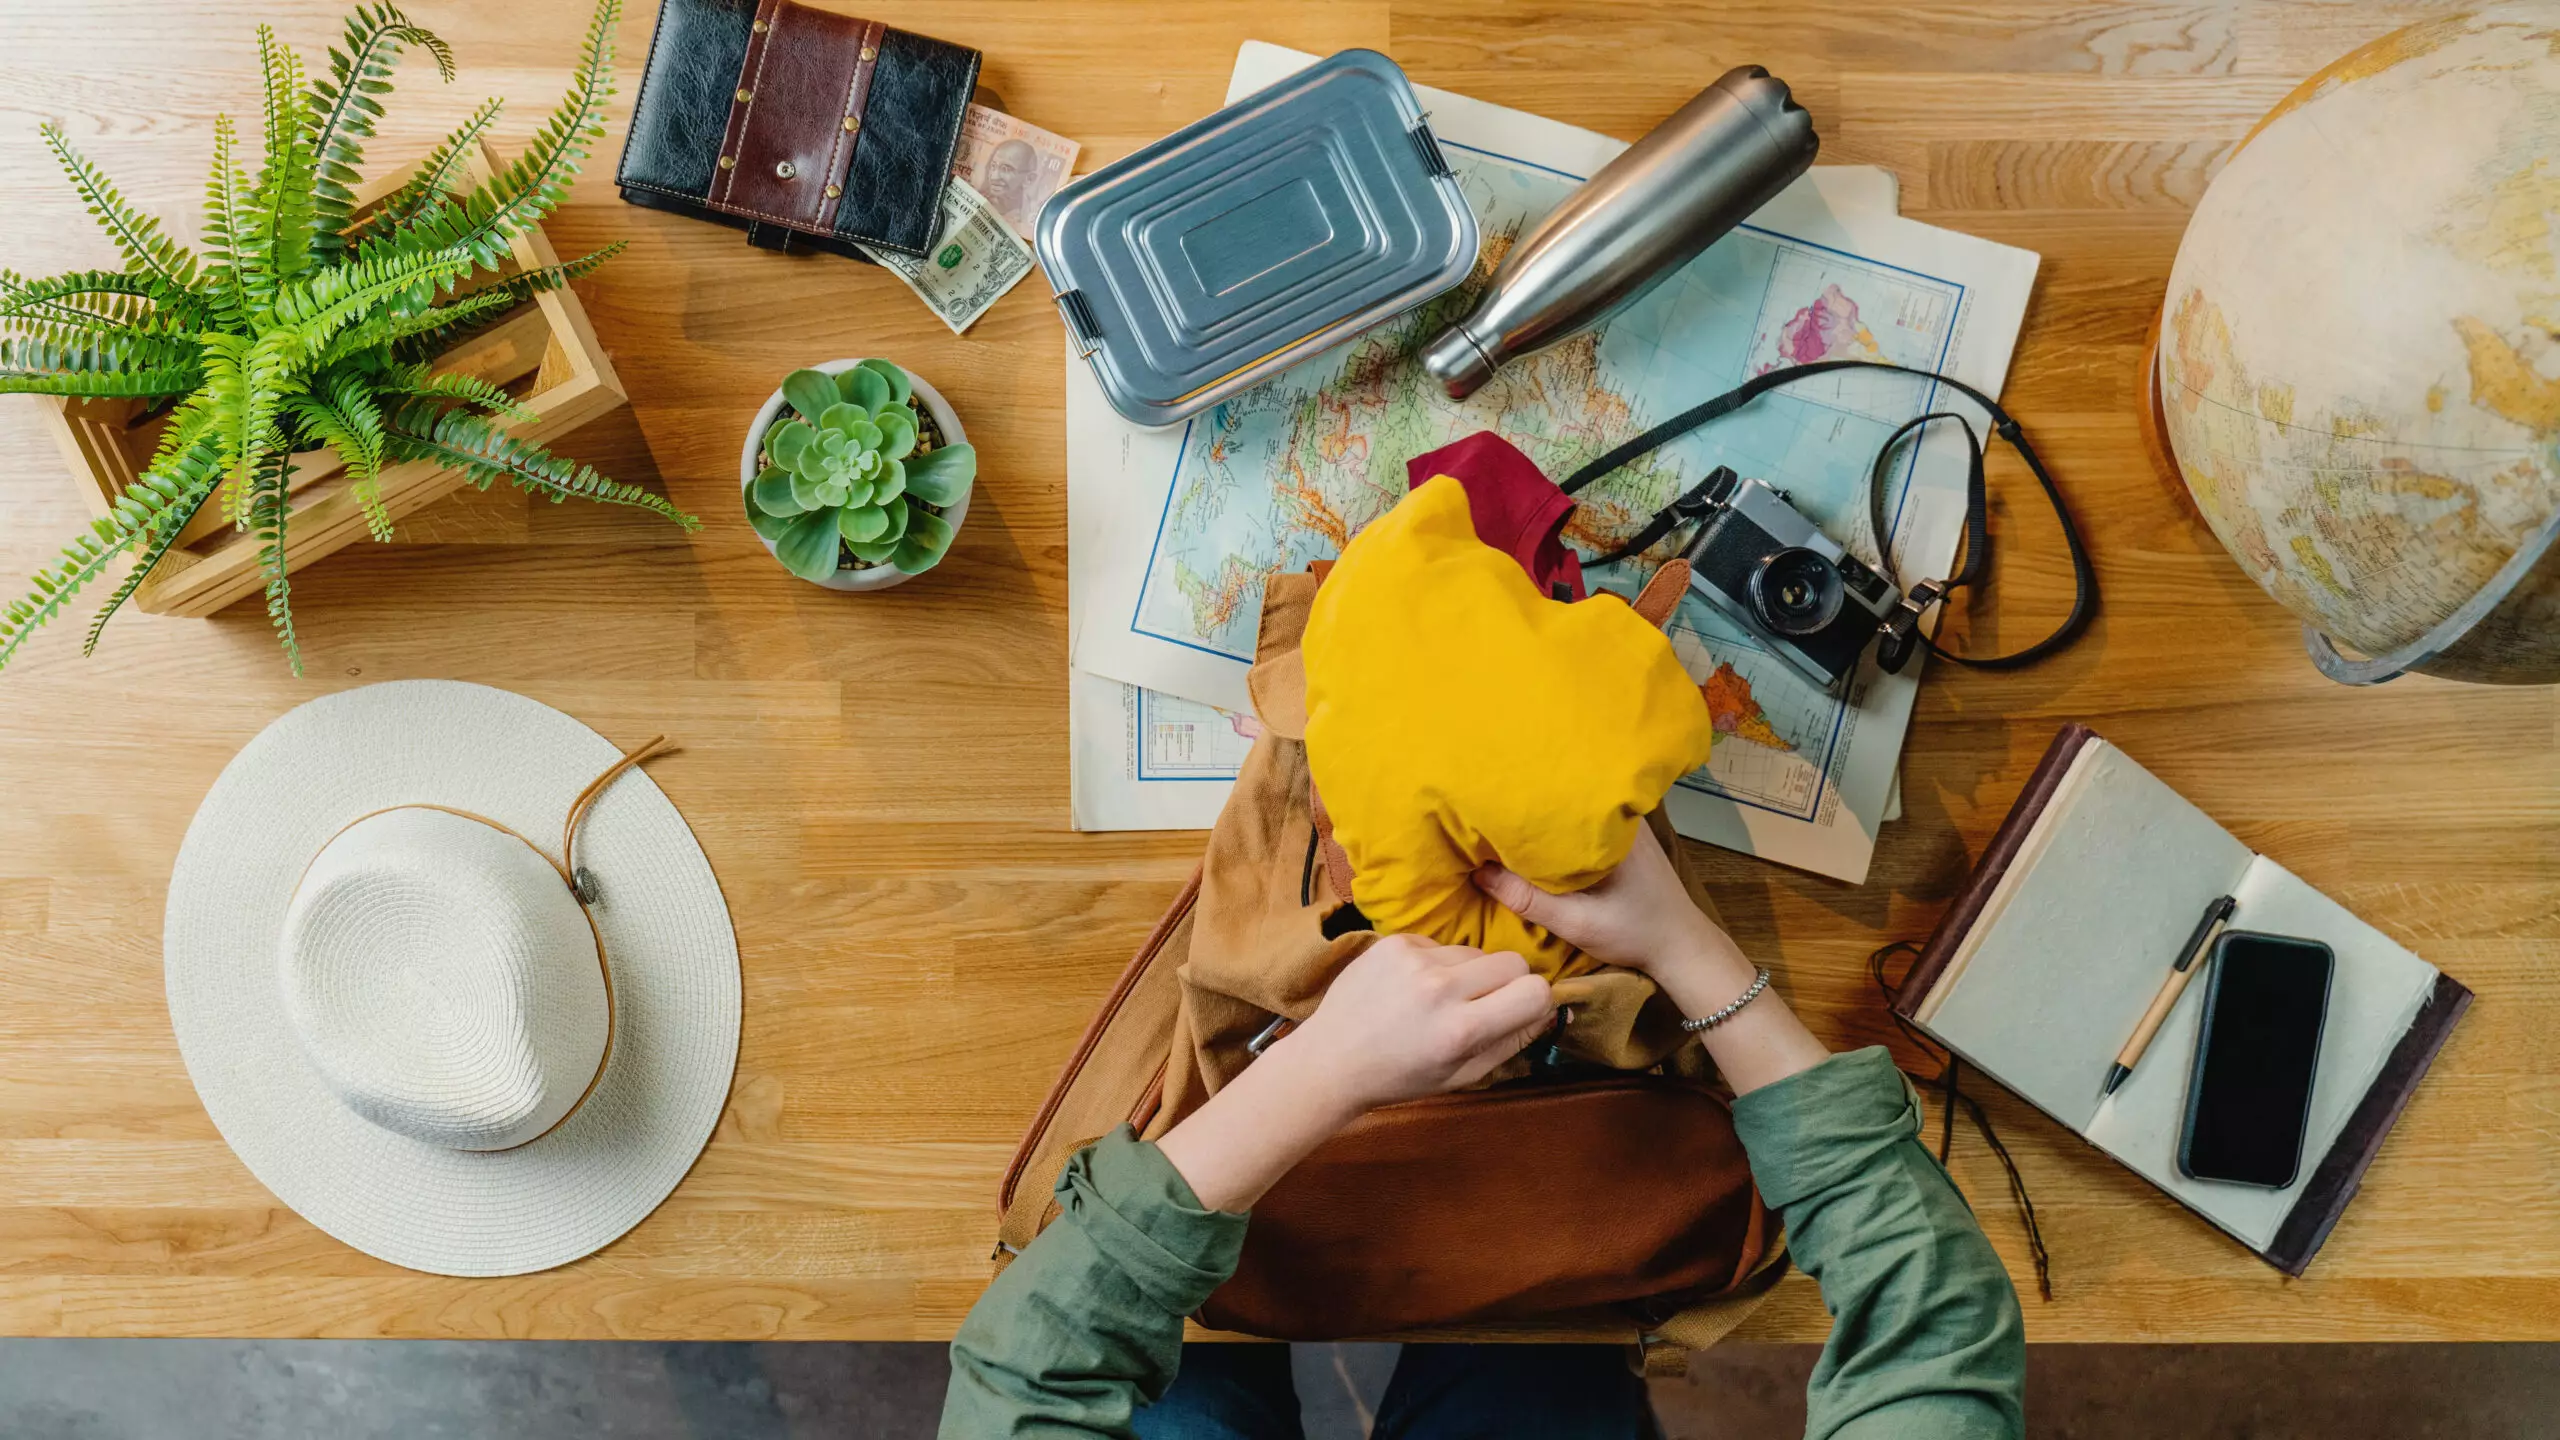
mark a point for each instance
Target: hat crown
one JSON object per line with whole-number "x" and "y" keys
{"x": 443, "y": 981}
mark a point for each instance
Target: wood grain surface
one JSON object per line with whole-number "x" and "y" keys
{"x": 881, "y": 781}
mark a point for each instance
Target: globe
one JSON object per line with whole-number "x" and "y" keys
{"x": 2358, "y": 369}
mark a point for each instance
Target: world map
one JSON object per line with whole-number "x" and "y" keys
{"x": 1287, "y": 472}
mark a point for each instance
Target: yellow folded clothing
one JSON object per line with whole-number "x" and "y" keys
{"x": 1456, "y": 716}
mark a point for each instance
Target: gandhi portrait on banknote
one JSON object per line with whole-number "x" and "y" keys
{"x": 1011, "y": 182}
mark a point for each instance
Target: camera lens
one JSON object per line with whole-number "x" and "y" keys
{"x": 1796, "y": 592}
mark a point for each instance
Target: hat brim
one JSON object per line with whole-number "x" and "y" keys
{"x": 659, "y": 912}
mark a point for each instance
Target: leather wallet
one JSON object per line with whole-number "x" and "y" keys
{"x": 804, "y": 127}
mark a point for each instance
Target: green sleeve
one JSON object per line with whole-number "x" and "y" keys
{"x": 1926, "y": 1339}
{"x": 1086, "y": 1324}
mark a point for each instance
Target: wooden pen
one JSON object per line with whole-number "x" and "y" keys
{"x": 2170, "y": 989}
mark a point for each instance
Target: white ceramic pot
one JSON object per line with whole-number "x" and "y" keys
{"x": 877, "y": 577}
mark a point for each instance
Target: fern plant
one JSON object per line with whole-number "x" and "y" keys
{"x": 303, "y": 325}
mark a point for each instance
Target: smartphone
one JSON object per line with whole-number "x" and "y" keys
{"x": 2249, "y": 1096}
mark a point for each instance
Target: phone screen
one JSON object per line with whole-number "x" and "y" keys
{"x": 2249, "y": 1099}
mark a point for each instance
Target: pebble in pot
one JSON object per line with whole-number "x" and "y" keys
{"x": 856, "y": 475}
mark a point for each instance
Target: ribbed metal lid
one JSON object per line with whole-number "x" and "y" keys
{"x": 1279, "y": 226}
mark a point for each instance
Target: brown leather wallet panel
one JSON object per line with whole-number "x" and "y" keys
{"x": 797, "y": 115}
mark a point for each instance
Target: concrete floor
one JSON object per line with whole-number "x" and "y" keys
{"x": 350, "y": 1390}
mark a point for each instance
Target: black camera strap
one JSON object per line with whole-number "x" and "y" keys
{"x": 1975, "y": 564}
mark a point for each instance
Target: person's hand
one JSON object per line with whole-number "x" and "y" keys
{"x": 1404, "y": 1019}
{"x": 1638, "y": 916}
{"x": 1409, "y": 1018}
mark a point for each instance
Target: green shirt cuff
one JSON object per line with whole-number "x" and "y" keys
{"x": 1824, "y": 1126}
{"x": 1140, "y": 1214}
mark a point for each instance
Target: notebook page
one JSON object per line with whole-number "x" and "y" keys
{"x": 2021, "y": 865}
{"x": 2375, "y": 990}
{"x": 2065, "y": 972}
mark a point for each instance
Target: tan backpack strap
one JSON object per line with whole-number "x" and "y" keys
{"x": 1278, "y": 679}
{"x": 1661, "y": 594}
{"x": 1337, "y": 862}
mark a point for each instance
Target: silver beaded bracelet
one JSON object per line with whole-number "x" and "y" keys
{"x": 1759, "y": 983}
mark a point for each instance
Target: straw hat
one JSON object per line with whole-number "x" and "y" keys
{"x": 420, "y": 1023}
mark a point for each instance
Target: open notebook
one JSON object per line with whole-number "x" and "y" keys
{"x": 2055, "y": 948}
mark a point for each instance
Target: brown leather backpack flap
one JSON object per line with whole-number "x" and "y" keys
{"x": 1490, "y": 1204}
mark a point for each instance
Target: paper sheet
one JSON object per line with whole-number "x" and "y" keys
{"x": 1173, "y": 530}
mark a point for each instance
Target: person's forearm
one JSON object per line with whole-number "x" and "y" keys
{"x": 1086, "y": 1324}
{"x": 1249, "y": 1134}
{"x": 1764, "y": 1042}
{"x": 1926, "y": 1339}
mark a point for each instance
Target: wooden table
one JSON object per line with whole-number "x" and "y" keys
{"x": 881, "y": 781}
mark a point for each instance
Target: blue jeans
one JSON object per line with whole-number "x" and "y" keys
{"x": 1440, "y": 1392}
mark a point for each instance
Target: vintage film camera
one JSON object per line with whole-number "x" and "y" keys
{"x": 1766, "y": 566}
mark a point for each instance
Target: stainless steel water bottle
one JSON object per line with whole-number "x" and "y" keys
{"x": 1671, "y": 195}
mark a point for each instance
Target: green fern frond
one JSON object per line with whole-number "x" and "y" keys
{"x": 74, "y": 283}
{"x": 468, "y": 390}
{"x": 435, "y": 178}
{"x": 282, "y": 204}
{"x": 526, "y": 284}
{"x": 270, "y": 509}
{"x": 179, "y": 479}
{"x": 325, "y": 297}
{"x": 348, "y": 111}
{"x": 40, "y": 366}
{"x": 361, "y": 414}
{"x": 359, "y": 447}
{"x": 139, "y": 514}
{"x": 222, "y": 191}
{"x": 420, "y": 337}
{"x": 136, "y": 234}
{"x": 534, "y": 185}
{"x": 420, "y": 430}
{"x": 39, "y": 345}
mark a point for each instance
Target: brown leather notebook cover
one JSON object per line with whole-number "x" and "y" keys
{"x": 2340, "y": 1171}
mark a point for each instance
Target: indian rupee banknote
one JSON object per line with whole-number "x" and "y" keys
{"x": 1015, "y": 164}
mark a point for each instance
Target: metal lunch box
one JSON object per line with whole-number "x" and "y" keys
{"x": 1241, "y": 244}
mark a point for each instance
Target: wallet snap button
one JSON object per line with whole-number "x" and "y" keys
{"x": 785, "y": 170}
{"x": 746, "y": 96}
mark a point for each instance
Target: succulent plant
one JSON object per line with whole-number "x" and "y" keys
{"x": 849, "y": 467}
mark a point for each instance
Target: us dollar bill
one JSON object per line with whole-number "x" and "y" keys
{"x": 974, "y": 260}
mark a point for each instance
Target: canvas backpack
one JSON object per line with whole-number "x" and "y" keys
{"x": 1596, "y": 1186}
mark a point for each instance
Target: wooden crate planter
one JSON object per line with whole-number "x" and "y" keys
{"x": 544, "y": 351}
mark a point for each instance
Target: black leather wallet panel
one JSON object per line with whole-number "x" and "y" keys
{"x": 683, "y": 106}
{"x": 910, "y": 127}
{"x": 900, "y": 155}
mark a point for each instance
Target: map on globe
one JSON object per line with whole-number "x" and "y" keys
{"x": 1200, "y": 515}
